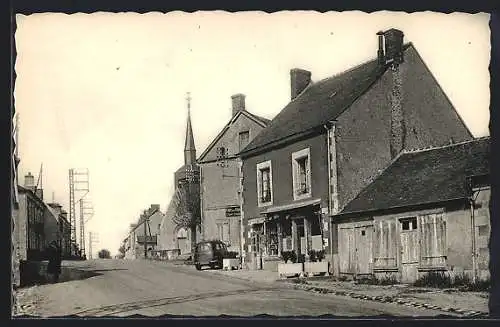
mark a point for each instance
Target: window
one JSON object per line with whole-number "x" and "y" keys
{"x": 408, "y": 224}
{"x": 264, "y": 183}
{"x": 223, "y": 232}
{"x": 483, "y": 230}
{"x": 433, "y": 240}
{"x": 244, "y": 137}
{"x": 385, "y": 244}
{"x": 301, "y": 168}
{"x": 272, "y": 230}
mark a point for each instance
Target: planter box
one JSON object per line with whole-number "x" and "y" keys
{"x": 290, "y": 269}
{"x": 313, "y": 268}
{"x": 230, "y": 264}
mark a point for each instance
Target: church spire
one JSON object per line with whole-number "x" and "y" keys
{"x": 189, "y": 148}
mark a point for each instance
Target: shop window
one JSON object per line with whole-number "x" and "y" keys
{"x": 272, "y": 231}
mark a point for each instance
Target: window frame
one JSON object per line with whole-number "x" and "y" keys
{"x": 260, "y": 167}
{"x": 296, "y": 157}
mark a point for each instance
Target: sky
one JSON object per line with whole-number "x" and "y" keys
{"x": 106, "y": 91}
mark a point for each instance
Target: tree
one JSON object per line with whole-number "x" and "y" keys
{"x": 104, "y": 254}
{"x": 187, "y": 206}
{"x": 121, "y": 252}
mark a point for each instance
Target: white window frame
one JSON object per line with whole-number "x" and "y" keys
{"x": 295, "y": 173}
{"x": 261, "y": 166}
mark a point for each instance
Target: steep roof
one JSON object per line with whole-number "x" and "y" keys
{"x": 259, "y": 120}
{"x": 320, "y": 103}
{"x": 425, "y": 176}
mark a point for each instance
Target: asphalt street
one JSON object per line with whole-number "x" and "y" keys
{"x": 126, "y": 287}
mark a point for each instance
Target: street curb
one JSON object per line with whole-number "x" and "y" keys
{"x": 392, "y": 299}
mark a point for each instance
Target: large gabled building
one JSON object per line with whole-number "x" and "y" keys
{"x": 326, "y": 145}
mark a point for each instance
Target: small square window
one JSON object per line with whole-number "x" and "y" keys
{"x": 405, "y": 225}
{"x": 483, "y": 230}
{"x": 363, "y": 233}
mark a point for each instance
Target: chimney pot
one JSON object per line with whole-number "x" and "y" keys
{"x": 299, "y": 80}
{"x": 238, "y": 101}
{"x": 29, "y": 181}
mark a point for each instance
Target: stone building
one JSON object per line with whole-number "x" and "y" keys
{"x": 327, "y": 144}
{"x": 427, "y": 211}
{"x": 145, "y": 231}
{"x": 220, "y": 175}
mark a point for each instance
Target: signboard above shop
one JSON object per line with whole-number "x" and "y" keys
{"x": 233, "y": 211}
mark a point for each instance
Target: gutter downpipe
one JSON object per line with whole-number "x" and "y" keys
{"x": 328, "y": 133}
{"x": 473, "y": 231}
{"x": 240, "y": 195}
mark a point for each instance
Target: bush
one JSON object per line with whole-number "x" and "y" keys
{"x": 320, "y": 255}
{"x": 462, "y": 281}
{"x": 289, "y": 256}
{"x": 313, "y": 257}
{"x": 301, "y": 258}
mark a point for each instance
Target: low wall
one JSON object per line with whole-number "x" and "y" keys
{"x": 35, "y": 272}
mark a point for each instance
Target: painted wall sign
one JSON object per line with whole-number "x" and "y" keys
{"x": 233, "y": 211}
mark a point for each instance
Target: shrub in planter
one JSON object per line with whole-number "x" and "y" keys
{"x": 313, "y": 256}
{"x": 320, "y": 255}
{"x": 301, "y": 258}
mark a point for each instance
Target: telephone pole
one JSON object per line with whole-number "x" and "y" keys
{"x": 78, "y": 183}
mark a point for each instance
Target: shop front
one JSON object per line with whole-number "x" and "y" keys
{"x": 279, "y": 230}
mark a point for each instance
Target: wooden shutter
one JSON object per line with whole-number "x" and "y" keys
{"x": 385, "y": 244}
{"x": 433, "y": 240}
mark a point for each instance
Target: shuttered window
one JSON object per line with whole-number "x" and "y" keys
{"x": 385, "y": 244}
{"x": 433, "y": 240}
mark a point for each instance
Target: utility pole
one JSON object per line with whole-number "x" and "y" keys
{"x": 145, "y": 245}
{"x": 78, "y": 182}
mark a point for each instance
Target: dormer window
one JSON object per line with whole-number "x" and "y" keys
{"x": 301, "y": 167}
{"x": 264, "y": 183}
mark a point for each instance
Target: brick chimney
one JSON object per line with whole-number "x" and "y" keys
{"x": 238, "y": 101}
{"x": 390, "y": 52}
{"x": 299, "y": 80}
{"x": 393, "y": 46}
{"x": 29, "y": 181}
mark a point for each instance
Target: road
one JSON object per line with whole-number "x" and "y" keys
{"x": 128, "y": 287}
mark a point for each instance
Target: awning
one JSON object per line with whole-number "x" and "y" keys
{"x": 255, "y": 221}
{"x": 291, "y": 206}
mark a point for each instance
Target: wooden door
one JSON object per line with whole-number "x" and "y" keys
{"x": 363, "y": 242}
{"x": 347, "y": 250}
{"x": 409, "y": 250}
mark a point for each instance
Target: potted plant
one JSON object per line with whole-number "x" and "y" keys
{"x": 230, "y": 260}
{"x": 291, "y": 265}
{"x": 316, "y": 265}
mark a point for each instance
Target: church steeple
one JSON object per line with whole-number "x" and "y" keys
{"x": 189, "y": 148}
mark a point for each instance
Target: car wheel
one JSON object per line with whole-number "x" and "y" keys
{"x": 198, "y": 266}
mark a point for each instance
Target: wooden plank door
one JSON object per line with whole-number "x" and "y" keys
{"x": 363, "y": 241}
{"x": 347, "y": 250}
{"x": 409, "y": 250}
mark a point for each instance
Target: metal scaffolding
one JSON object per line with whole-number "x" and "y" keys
{"x": 78, "y": 187}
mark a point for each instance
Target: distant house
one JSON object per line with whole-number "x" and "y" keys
{"x": 427, "y": 211}
{"x": 30, "y": 225}
{"x": 220, "y": 175}
{"x": 143, "y": 235}
{"x": 64, "y": 228}
{"x": 324, "y": 147}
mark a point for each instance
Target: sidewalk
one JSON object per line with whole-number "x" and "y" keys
{"x": 467, "y": 304}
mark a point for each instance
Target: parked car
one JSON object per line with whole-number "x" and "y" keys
{"x": 209, "y": 253}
